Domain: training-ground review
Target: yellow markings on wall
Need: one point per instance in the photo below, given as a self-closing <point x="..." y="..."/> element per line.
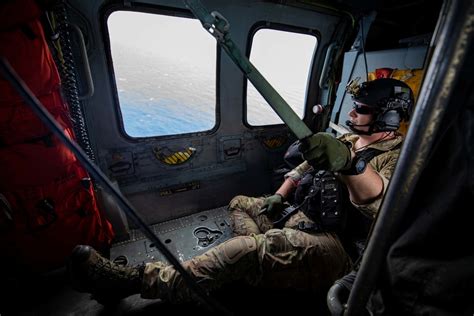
<point x="274" y="142"/>
<point x="168" y="157"/>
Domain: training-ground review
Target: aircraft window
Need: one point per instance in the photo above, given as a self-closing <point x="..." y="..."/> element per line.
<point x="165" y="72"/>
<point x="284" y="59"/>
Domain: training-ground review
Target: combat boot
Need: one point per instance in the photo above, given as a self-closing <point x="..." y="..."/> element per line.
<point x="105" y="280"/>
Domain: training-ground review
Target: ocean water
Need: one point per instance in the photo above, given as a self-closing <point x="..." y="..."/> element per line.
<point x="143" y="118"/>
<point x="160" y="95"/>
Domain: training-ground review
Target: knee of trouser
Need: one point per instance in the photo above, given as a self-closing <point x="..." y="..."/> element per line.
<point x="236" y="248"/>
<point x="276" y="240"/>
<point x="237" y="203"/>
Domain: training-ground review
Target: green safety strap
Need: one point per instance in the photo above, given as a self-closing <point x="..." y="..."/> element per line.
<point x="219" y="27"/>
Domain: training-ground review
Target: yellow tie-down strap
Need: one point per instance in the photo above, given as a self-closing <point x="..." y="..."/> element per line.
<point x="171" y="158"/>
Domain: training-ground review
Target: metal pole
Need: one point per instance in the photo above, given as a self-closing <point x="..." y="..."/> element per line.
<point x="444" y="71"/>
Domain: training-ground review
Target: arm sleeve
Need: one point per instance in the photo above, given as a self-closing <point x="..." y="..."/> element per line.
<point x="298" y="172"/>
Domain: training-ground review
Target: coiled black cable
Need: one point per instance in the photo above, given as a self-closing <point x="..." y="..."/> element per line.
<point x="67" y="70"/>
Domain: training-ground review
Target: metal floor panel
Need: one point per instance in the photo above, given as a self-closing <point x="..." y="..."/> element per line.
<point x="51" y="294"/>
<point x="185" y="237"/>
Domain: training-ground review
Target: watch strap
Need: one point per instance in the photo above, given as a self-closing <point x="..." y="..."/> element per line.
<point x="360" y="161"/>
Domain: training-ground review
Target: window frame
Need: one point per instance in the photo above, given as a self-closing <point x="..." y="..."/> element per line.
<point x="287" y="28"/>
<point x="157" y="10"/>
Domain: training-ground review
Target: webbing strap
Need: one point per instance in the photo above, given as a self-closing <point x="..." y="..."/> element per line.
<point x="219" y="27"/>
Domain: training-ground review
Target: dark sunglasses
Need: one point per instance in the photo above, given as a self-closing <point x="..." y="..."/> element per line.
<point x="363" y="109"/>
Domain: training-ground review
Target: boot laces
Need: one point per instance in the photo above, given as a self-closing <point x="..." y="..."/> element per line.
<point x="105" y="269"/>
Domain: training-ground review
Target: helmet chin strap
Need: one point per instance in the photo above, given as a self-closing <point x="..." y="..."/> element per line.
<point x="359" y="132"/>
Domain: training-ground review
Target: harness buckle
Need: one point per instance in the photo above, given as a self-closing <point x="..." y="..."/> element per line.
<point x="307" y="227"/>
<point x="219" y="27"/>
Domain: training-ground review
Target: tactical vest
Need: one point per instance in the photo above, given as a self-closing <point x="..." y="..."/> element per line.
<point x="319" y="197"/>
<point x="325" y="200"/>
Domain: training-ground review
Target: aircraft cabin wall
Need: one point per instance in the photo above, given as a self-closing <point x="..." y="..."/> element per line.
<point x="409" y="59"/>
<point x="230" y="157"/>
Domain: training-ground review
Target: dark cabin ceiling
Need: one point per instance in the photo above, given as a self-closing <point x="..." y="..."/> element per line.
<point x="396" y="20"/>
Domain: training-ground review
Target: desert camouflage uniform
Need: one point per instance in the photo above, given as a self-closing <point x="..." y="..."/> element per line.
<point x="263" y="256"/>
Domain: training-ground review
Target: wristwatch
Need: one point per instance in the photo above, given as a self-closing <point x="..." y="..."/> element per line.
<point x="358" y="166"/>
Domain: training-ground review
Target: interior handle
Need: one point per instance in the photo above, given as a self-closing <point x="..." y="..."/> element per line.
<point x="85" y="64"/>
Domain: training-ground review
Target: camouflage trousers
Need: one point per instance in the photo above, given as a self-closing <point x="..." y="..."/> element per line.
<point x="259" y="255"/>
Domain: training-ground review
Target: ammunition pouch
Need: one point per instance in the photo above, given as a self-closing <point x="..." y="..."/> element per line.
<point x="318" y="197"/>
<point x="322" y="202"/>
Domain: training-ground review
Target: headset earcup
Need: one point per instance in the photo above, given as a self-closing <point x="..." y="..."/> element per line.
<point x="391" y="120"/>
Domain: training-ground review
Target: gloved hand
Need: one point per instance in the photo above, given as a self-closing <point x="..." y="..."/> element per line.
<point x="325" y="152"/>
<point x="272" y="205"/>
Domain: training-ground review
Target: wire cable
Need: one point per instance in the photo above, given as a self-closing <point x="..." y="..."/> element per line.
<point x="363" y="48"/>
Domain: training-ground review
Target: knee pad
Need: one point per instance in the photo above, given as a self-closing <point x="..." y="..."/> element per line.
<point x="236" y="202"/>
<point x="234" y="249"/>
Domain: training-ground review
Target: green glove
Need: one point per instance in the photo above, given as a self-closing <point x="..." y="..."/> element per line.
<point x="272" y="205"/>
<point x="325" y="152"/>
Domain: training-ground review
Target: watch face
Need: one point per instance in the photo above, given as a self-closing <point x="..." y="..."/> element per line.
<point x="360" y="166"/>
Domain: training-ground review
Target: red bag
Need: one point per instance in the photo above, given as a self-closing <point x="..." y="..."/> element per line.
<point x="47" y="203"/>
<point x="47" y="221"/>
<point x="29" y="153"/>
<point x="24" y="45"/>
